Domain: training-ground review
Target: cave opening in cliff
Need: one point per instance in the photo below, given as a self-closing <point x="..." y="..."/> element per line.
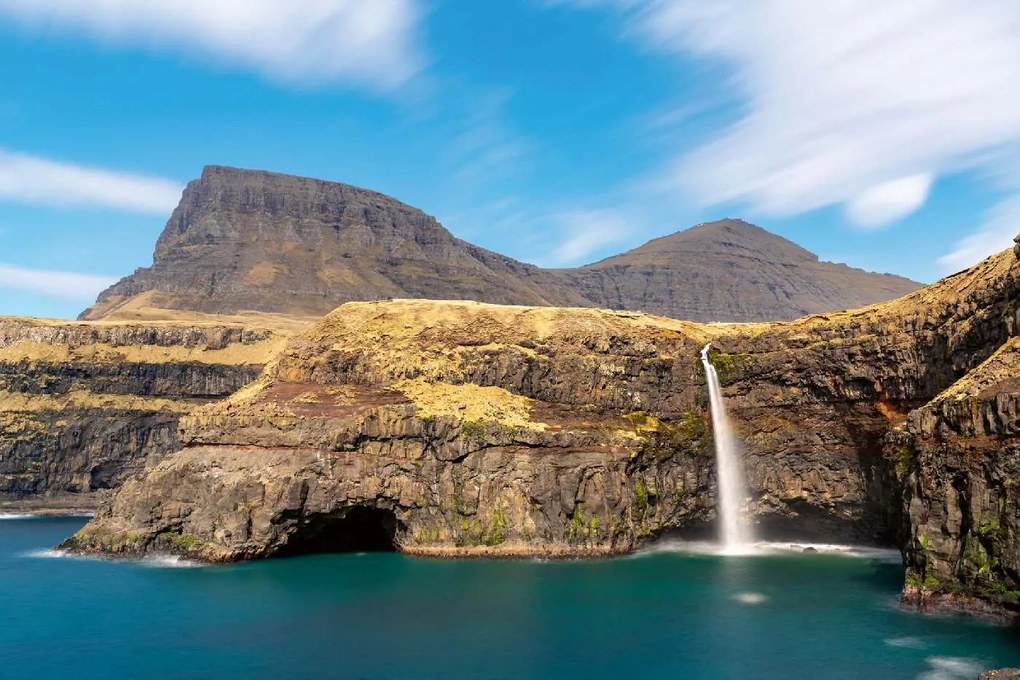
<point x="357" y="529"/>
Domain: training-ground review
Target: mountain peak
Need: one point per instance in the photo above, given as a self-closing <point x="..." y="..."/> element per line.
<point x="733" y="237"/>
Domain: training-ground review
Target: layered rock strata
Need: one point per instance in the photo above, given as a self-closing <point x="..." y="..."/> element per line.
<point x="84" y="406"/>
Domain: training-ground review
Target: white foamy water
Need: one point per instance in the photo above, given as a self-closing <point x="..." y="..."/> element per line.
<point x="46" y="554"/>
<point x="19" y="515"/>
<point x="154" y="561"/>
<point x="168" y="562"/>
<point x="735" y="534"/>
<point x="951" y="668"/>
<point x="750" y="598"/>
<point x="764" y="548"/>
<point x="906" y="642"/>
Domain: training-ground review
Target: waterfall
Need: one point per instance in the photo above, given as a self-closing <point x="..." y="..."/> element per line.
<point x="734" y="534"/>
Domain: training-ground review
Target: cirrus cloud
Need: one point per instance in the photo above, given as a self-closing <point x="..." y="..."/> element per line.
<point x="368" y="42"/>
<point x="854" y="102"/>
<point x="25" y="178"/>
<point x="64" y="285"/>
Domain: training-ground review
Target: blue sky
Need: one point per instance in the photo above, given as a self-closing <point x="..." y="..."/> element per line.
<point x="879" y="134"/>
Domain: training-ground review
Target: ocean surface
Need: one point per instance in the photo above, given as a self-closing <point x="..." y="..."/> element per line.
<point x="664" y="613"/>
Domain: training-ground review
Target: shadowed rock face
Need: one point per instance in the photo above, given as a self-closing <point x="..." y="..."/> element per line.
<point x="244" y="240"/>
<point x="462" y="428"/>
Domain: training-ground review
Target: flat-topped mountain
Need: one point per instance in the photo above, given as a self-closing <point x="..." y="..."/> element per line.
<point x="243" y="240"/>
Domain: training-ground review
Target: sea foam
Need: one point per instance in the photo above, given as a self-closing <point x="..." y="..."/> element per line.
<point x="951" y="668"/>
<point x="766" y="548"/>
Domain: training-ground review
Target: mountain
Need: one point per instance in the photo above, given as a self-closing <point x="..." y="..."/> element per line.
<point x="730" y="271"/>
<point x="244" y="240"/>
<point x="257" y="241"/>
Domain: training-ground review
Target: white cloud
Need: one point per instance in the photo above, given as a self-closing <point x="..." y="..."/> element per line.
<point x="843" y="99"/>
<point x="485" y="146"/>
<point x="889" y="201"/>
<point x="65" y="285"/>
<point x="31" y="179"/>
<point x="370" y="42"/>
<point x="997" y="233"/>
<point x="585" y="232"/>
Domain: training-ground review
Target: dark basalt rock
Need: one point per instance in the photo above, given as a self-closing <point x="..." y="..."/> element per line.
<point x="84" y="407"/>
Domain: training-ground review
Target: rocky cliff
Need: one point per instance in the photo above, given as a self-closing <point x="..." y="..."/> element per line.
<point x="83" y="406"/>
<point x="448" y="428"/>
<point x="244" y="240"/>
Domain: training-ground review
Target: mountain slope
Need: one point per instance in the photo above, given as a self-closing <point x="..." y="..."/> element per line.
<point x="244" y="240"/>
<point x="730" y="271"/>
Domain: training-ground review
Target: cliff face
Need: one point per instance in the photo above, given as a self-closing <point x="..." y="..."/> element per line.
<point x="447" y="428"/>
<point x="461" y="428"/>
<point x="258" y="241"/>
<point x="243" y="240"/>
<point x="84" y="406"/>
<point x="959" y="457"/>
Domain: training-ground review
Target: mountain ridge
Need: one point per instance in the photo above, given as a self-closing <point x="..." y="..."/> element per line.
<point x="253" y="240"/>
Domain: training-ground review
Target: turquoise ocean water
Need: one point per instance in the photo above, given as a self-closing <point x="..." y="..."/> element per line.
<point x="378" y="615"/>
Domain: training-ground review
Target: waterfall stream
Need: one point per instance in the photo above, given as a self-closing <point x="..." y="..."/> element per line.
<point x="735" y="534"/>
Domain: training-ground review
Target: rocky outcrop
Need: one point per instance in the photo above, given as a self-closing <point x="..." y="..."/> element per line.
<point x="960" y="460"/>
<point x="244" y="240"/>
<point x="85" y="406"/>
<point x="462" y="428"/>
<point x="821" y="393"/>
<point x="446" y="428"/>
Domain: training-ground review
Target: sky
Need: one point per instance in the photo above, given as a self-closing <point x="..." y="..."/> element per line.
<point x="884" y="135"/>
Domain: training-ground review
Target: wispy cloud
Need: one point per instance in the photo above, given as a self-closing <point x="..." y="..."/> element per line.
<point x="64" y="285"/>
<point x="889" y="201"/>
<point x="853" y="102"/>
<point x="584" y="232"/>
<point x="368" y="42"/>
<point x="995" y="233"/>
<point x="30" y="179"/>
<point x="485" y="146"/>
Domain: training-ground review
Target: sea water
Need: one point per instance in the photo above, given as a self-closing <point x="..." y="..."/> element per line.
<point x="669" y="612"/>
